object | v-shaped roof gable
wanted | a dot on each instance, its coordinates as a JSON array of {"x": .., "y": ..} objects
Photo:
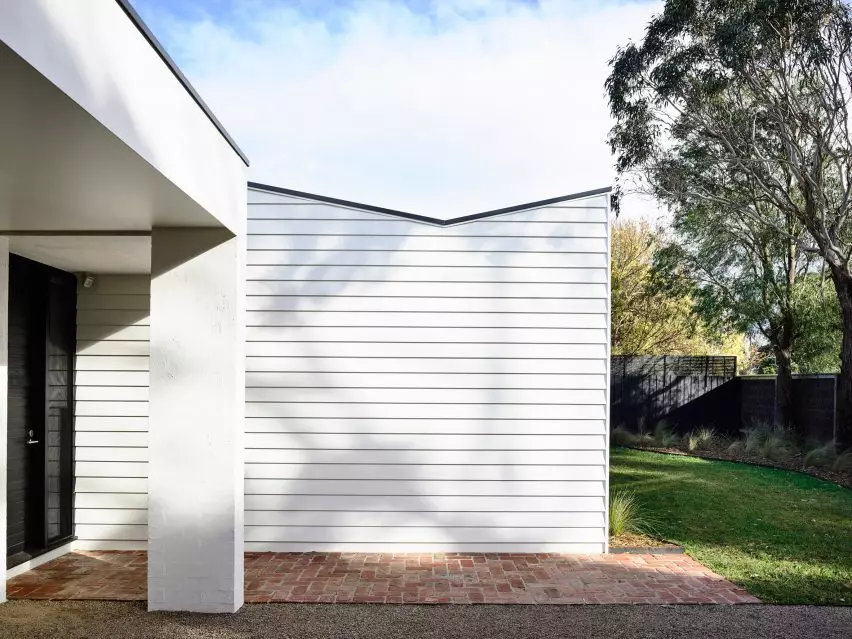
[{"x": 425, "y": 218}]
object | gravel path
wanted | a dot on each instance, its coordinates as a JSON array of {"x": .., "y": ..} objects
[{"x": 113, "y": 620}]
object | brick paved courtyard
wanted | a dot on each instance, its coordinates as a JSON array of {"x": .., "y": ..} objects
[{"x": 408, "y": 578}]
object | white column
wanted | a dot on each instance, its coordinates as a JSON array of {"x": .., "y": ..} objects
[
  {"x": 4, "y": 389},
  {"x": 197, "y": 405}
]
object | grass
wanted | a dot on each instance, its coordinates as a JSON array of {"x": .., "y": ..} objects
[
  {"x": 820, "y": 456},
  {"x": 627, "y": 515},
  {"x": 843, "y": 463},
  {"x": 784, "y": 536},
  {"x": 701, "y": 439},
  {"x": 775, "y": 448}
]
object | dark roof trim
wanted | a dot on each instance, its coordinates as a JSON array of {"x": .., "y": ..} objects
[
  {"x": 425, "y": 218},
  {"x": 152, "y": 40}
]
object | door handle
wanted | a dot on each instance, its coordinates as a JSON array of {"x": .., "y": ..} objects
[{"x": 30, "y": 435}]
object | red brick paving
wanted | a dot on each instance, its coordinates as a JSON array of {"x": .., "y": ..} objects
[
  {"x": 408, "y": 578},
  {"x": 85, "y": 575}
]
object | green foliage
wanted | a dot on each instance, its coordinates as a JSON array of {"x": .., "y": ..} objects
[
  {"x": 820, "y": 327},
  {"x": 772, "y": 443},
  {"x": 843, "y": 462},
  {"x": 620, "y": 436},
  {"x": 775, "y": 447},
  {"x": 820, "y": 456},
  {"x": 701, "y": 439},
  {"x": 819, "y": 330},
  {"x": 663, "y": 436},
  {"x": 626, "y": 514},
  {"x": 642, "y": 426},
  {"x": 648, "y": 319},
  {"x": 691, "y": 441},
  {"x": 706, "y": 438},
  {"x": 646, "y": 440},
  {"x": 737, "y": 112},
  {"x": 782, "y": 535},
  {"x": 753, "y": 279},
  {"x": 755, "y": 436},
  {"x": 775, "y": 443}
]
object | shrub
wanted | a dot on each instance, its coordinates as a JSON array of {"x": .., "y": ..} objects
[
  {"x": 736, "y": 447},
  {"x": 672, "y": 441},
  {"x": 822, "y": 456},
  {"x": 646, "y": 440},
  {"x": 843, "y": 463},
  {"x": 642, "y": 426},
  {"x": 721, "y": 442},
  {"x": 701, "y": 439},
  {"x": 622, "y": 437},
  {"x": 755, "y": 436},
  {"x": 663, "y": 436},
  {"x": 775, "y": 447},
  {"x": 691, "y": 440},
  {"x": 626, "y": 514}
]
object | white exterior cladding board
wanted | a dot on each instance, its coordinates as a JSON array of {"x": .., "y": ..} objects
[
  {"x": 418, "y": 387},
  {"x": 111, "y": 413}
]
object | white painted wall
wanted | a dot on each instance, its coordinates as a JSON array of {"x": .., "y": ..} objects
[
  {"x": 396, "y": 398},
  {"x": 4, "y": 389},
  {"x": 197, "y": 392},
  {"x": 111, "y": 413},
  {"x": 94, "y": 53},
  {"x": 417, "y": 387}
]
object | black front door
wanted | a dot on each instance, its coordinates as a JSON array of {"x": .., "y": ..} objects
[{"x": 42, "y": 303}]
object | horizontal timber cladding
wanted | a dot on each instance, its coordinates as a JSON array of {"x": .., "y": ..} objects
[
  {"x": 111, "y": 413},
  {"x": 412, "y": 386}
]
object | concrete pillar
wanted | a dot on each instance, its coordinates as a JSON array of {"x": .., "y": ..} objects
[
  {"x": 197, "y": 405},
  {"x": 4, "y": 389}
]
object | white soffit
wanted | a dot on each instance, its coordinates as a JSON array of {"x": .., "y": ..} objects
[{"x": 129, "y": 254}]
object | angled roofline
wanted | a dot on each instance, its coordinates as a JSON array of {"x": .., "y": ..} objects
[
  {"x": 425, "y": 218},
  {"x": 136, "y": 19}
]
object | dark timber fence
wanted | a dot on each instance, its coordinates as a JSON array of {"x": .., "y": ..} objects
[
  {"x": 814, "y": 403},
  {"x": 685, "y": 391},
  {"x": 691, "y": 392}
]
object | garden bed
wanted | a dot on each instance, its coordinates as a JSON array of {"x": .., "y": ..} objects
[
  {"x": 794, "y": 463},
  {"x": 642, "y": 544}
]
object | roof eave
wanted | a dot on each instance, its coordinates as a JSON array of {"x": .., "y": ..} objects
[
  {"x": 425, "y": 218},
  {"x": 136, "y": 19}
]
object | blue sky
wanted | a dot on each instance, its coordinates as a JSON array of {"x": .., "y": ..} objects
[{"x": 434, "y": 106}]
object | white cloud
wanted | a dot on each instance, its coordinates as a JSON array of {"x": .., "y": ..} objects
[{"x": 471, "y": 105}]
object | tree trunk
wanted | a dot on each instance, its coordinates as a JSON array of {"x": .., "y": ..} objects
[
  {"x": 784, "y": 387},
  {"x": 784, "y": 345},
  {"x": 843, "y": 430}
]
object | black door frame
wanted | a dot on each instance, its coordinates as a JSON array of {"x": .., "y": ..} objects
[{"x": 55, "y": 300}]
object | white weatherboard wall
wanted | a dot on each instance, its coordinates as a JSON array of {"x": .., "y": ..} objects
[
  {"x": 111, "y": 424},
  {"x": 411, "y": 386}
]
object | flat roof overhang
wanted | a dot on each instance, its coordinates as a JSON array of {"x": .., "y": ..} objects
[
  {"x": 101, "y": 133},
  {"x": 62, "y": 170}
]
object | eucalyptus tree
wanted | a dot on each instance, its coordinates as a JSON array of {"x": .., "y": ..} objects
[
  {"x": 760, "y": 90},
  {"x": 744, "y": 277}
]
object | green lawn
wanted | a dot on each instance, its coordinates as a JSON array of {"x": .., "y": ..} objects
[{"x": 785, "y": 536}]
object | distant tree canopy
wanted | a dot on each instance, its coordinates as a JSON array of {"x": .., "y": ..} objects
[
  {"x": 648, "y": 319},
  {"x": 744, "y": 106},
  {"x": 745, "y": 275}
]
